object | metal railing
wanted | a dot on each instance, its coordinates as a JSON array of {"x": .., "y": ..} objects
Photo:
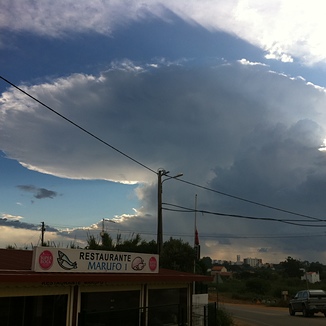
[{"x": 172, "y": 315}]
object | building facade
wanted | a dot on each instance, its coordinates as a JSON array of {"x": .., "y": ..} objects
[
  {"x": 311, "y": 277},
  {"x": 253, "y": 262},
  {"x": 33, "y": 297}
]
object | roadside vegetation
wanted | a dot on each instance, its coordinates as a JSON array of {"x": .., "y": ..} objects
[
  {"x": 224, "y": 318},
  {"x": 268, "y": 285}
]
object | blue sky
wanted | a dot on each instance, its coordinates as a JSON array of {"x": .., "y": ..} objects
[{"x": 230, "y": 94}]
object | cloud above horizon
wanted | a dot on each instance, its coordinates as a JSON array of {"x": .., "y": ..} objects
[
  {"x": 38, "y": 193},
  {"x": 286, "y": 30},
  {"x": 231, "y": 94},
  {"x": 236, "y": 127},
  {"x": 192, "y": 116}
]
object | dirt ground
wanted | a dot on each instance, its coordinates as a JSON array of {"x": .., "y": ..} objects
[
  {"x": 223, "y": 299},
  {"x": 238, "y": 322}
]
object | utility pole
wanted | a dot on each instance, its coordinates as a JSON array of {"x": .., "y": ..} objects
[
  {"x": 195, "y": 244},
  {"x": 159, "y": 211},
  {"x": 102, "y": 232},
  {"x": 42, "y": 234},
  {"x": 160, "y": 174}
]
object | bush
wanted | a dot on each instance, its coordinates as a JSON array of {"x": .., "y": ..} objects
[
  {"x": 224, "y": 318},
  {"x": 241, "y": 297},
  {"x": 258, "y": 286}
]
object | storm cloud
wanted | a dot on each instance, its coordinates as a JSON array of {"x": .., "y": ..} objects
[
  {"x": 38, "y": 193},
  {"x": 236, "y": 127}
]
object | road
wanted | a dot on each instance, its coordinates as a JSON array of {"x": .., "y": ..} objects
[{"x": 257, "y": 315}]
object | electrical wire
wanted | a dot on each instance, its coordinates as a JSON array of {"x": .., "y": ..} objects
[
  {"x": 203, "y": 235},
  {"x": 228, "y": 236},
  {"x": 248, "y": 200},
  {"x": 182, "y": 209},
  {"x": 145, "y": 166}
]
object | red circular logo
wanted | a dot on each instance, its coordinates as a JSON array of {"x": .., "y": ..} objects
[
  {"x": 45, "y": 259},
  {"x": 152, "y": 264}
]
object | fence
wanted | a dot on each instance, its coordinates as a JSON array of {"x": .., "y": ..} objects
[
  {"x": 147, "y": 316},
  {"x": 204, "y": 314},
  {"x": 172, "y": 315}
]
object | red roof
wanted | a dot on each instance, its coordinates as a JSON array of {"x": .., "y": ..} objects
[
  {"x": 217, "y": 268},
  {"x": 15, "y": 266},
  {"x": 12, "y": 259}
]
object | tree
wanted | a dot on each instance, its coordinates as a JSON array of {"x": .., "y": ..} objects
[
  {"x": 92, "y": 243},
  {"x": 316, "y": 267},
  {"x": 177, "y": 255},
  {"x": 129, "y": 245},
  {"x": 107, "y": 243},
  {"x": 148, "y": 247},
  {"x": 207, "y": 261},
  {"x": 291, "y": 267},
  {"x": 136, "y": 244},
  {"x": 258, "y": 285}
]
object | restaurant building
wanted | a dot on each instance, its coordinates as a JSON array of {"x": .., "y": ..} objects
[{"x": 72, "y": 287}]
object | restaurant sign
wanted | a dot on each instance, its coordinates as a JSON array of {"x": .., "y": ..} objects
[{"x": 56, "y": 260}]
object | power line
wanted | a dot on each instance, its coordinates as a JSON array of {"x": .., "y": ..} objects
[
  {"x": 209, "y": 236},
  {"x": 83, "y": 237},
  {"x": 77, "y": 125},
  {"x": 232, "y": 236},
  {"x": 145, "y": 166},
  {"x": 182, "y": 209},
  {"x": 248, "y": 200},
  {"x": 186, "y": 234}
]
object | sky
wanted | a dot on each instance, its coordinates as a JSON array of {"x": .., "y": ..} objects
[{"x": 97, "y": 96}]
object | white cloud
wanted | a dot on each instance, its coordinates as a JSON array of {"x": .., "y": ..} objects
[
  {"x": 153, "y": 116},
  {"x": 250, "y": 63},
  {"x": 63, "y": 17},
  {"x": 22, "y": 237},
  {"x": 279, "y": 56},
  {"x": 238, "y": 128},
  {"x": 284, "y": 29},
  {"x": 17, "y": 237},
  {"x": 10, "y": 216}
]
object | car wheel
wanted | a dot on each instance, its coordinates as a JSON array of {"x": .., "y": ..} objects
[
  {"x": 305, "y": 311},
  {"x": 291, "y": 311}
]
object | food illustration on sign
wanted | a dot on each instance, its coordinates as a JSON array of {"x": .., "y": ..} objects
[
  {"x": 138, "y": 264},
  {"x": 64, "y": 262}
]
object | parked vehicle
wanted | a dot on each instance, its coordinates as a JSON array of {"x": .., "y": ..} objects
[{"x": 308, "y": 302}]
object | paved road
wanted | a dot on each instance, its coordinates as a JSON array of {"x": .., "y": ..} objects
[{"x": 257, "y": 315}]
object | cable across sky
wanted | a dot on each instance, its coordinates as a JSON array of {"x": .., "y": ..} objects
[{"x": 91, "y": 134}]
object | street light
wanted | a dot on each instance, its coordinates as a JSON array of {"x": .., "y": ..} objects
[
  {"x": 160, "y": 174},
  {"x": 102, "y": 233}
]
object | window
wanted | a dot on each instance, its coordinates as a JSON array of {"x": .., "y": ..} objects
[
  {"x": 50, "y": 310},
  {"x": 167, "y": 306},
  {"x": 117, "y": 308}
]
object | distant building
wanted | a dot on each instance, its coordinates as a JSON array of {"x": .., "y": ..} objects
[
  {"x": 220, "y": 262},
  {"x": 253, "y": 262},
  {"x": 220, "y": 271},
  {"x": 311, "y": 277},
  {"x": 268, "y": 266},
  {"x": 238, "y": 262}
]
